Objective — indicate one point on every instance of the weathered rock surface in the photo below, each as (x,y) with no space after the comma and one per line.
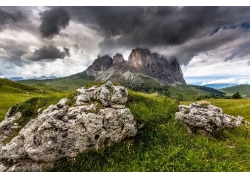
(8,126)
(108,94)
(98,119)
(141,62)
(154,65)
(203,118)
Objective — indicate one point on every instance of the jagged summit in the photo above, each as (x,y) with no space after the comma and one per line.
(140,62)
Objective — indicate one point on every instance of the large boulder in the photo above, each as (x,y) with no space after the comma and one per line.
(98,119)
(203,118)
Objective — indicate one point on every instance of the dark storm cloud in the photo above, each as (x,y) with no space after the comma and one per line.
(53,21)
(47,53)
(8,18)
(149,26)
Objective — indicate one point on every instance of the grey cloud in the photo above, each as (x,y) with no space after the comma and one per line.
(76,48)
(53,21)
(47,53)
(154,26)
(230,57)
(188,50)
(66,50)
(8,18)
(241,51)
(14,50)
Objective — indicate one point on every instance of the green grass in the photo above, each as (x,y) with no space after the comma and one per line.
(12,93)
(165,145)
(243,89)
(8,86)
(161,145)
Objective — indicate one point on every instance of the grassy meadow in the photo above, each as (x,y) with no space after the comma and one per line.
(162,145)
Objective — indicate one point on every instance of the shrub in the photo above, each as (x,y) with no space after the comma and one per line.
(236,95)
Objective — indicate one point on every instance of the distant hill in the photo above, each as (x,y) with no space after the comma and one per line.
(244,90)
(61,84)
(8,86)
(146,84)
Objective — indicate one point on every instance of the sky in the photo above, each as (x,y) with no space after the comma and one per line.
(211,44)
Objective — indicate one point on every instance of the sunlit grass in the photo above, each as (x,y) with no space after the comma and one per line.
(235,107)
(165,145)
(161,145)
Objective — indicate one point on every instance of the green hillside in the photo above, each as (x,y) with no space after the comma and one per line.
(13,92)
(61,84)
(144,84)
(243,89)
(8,86)
(178,92)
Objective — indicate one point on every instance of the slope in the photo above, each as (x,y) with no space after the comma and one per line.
(8,86)
(13,92)
(244,90)
(61,84)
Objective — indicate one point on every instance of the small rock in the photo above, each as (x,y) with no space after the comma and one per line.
(203,118)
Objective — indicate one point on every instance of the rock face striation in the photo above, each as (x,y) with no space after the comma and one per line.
(203,118)
(98,118)
(141,62)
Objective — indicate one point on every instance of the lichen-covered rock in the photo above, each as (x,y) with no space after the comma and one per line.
(203,118)
(64,131)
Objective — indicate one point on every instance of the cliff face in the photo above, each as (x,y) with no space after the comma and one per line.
(156,66)
(101,64)
(140,61)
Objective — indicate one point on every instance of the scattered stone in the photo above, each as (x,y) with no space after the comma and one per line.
(203,118)
(64,131)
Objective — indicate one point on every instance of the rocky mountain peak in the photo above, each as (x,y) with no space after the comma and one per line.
(118,58)
(102,63)
(140,62)
(139,57)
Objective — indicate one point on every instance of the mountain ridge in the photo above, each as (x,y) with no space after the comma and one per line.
(141,62)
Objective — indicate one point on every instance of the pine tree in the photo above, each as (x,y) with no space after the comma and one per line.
(236,95)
